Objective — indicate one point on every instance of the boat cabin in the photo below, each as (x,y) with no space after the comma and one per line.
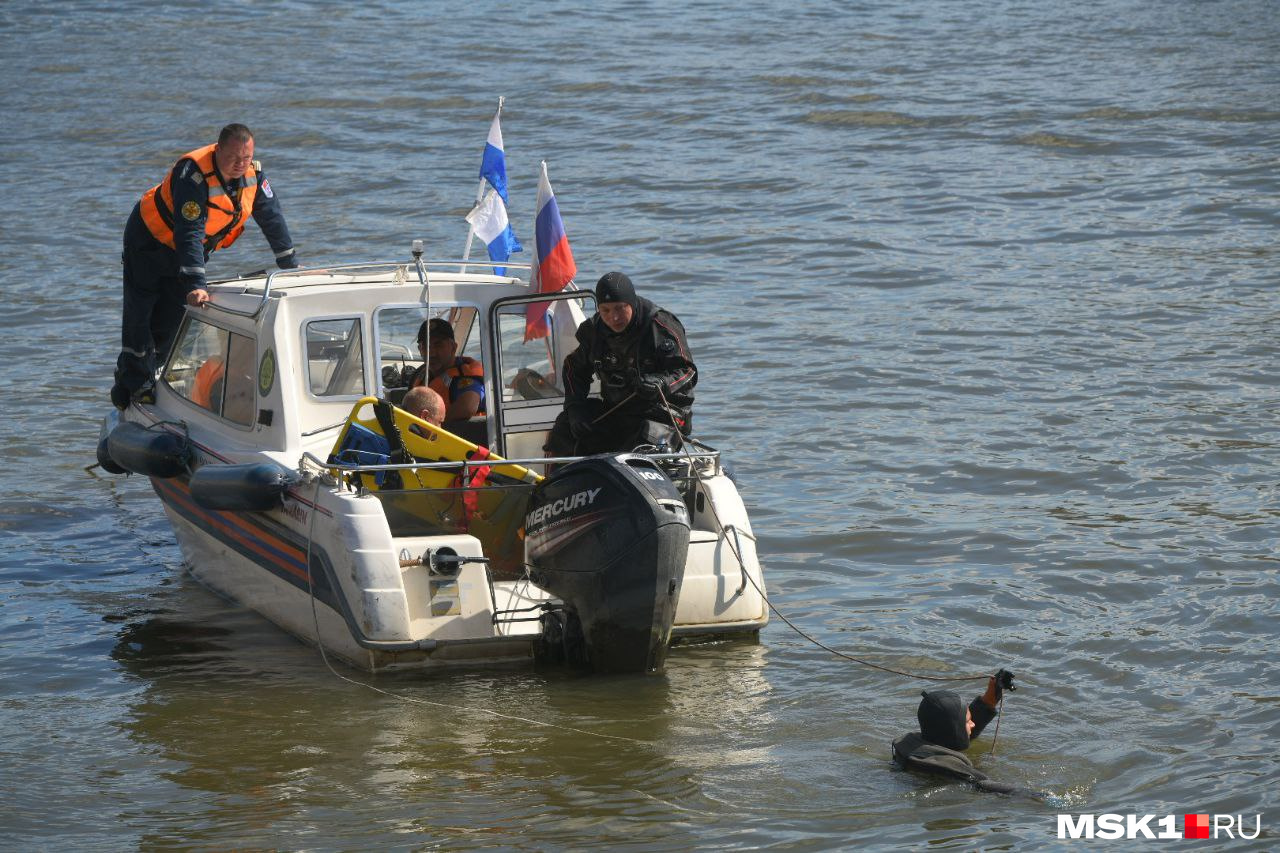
(277,363)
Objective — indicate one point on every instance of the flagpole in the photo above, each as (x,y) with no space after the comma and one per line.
(471,230)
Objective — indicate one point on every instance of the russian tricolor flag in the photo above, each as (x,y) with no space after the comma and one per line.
(553,265)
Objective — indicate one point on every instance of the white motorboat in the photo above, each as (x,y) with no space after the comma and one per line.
(296,488)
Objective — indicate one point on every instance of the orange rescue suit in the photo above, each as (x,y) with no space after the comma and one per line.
(225,214)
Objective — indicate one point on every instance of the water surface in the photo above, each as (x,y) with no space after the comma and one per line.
(983,297)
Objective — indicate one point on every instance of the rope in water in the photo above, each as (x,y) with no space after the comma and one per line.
(796,628)
(733,547)
(996,733)
(849,657)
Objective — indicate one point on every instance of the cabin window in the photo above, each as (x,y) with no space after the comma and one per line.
(214,369)
(335,360)
(398,352)
(531,365)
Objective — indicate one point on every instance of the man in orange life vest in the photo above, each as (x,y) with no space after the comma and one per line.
(201,205)
(457,379)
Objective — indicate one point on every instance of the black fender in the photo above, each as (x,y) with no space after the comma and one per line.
(251,487)
(153,452)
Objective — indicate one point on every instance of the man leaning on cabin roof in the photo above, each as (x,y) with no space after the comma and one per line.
(199,207)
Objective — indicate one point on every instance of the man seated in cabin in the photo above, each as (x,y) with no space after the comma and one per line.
(646,373)
(947,727)
(458,380)
(232,399)
(423,402)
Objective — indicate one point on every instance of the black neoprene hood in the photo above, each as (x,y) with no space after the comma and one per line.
(942,719)
(616,287)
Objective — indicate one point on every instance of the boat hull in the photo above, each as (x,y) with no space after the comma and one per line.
(324,564)
(260,560)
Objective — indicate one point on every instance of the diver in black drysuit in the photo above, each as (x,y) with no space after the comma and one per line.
(646,377)
(946,729)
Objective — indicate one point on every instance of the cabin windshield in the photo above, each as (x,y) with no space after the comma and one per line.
(532,338)
(399,354)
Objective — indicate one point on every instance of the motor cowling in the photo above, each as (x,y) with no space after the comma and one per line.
(609,536)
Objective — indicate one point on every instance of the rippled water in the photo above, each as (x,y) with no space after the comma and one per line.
(984,300)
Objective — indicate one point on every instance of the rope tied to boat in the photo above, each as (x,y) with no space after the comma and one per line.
(742,564)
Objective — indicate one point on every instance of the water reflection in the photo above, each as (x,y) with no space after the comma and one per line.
(257,734)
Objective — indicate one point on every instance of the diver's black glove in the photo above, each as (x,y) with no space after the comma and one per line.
(996,685)
(580,425)
(649,388)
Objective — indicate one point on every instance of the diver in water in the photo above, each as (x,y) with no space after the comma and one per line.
(946,729)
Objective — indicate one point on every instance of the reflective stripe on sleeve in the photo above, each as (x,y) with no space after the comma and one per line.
(191,270)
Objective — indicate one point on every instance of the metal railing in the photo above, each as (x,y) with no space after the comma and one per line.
(709,455)
(388,267)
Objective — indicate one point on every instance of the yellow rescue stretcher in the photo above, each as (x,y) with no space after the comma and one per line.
(422,441)
(486,501)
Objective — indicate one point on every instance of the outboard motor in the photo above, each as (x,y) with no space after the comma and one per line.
(608,536)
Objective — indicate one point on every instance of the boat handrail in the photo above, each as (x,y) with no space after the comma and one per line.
(357,468)
(319,430)
(390,267)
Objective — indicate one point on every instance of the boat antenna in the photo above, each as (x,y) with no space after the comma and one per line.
(422,270)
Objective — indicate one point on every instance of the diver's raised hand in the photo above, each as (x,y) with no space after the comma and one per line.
(996,685)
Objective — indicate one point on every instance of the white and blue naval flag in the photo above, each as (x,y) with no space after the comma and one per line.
(489,222)
(493,166)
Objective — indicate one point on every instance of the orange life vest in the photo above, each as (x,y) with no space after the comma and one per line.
(225,215)
(479,479)
(442,384)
